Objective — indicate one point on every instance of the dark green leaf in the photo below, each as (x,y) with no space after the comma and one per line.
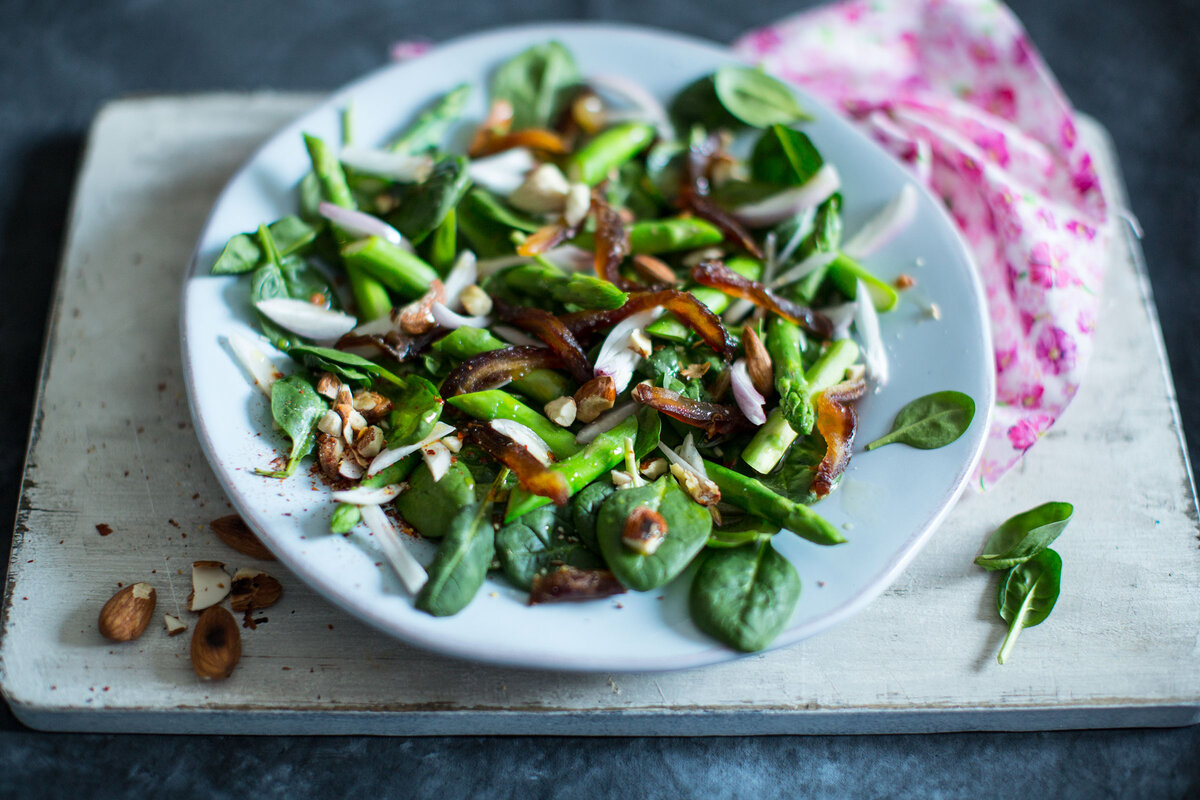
(462,561)
(793,477)
(585,507)
(537,82)
(296,407)
(423,206)
(1025,535)
(1027,596)
(648,434)
(242,253)
(756,98)
(784,157)
(697,105)
(347,366)
(426,503)
(417,406)
(688,525)
(744,596)
(745,531)
(539,541)
(932,421)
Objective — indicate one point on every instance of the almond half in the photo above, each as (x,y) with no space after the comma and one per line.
(128,612)
(210,585)
(237,534)
(216,644)
(254,589)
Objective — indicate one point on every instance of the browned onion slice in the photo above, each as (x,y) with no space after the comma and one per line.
(568,583)
(684,305)
(836,422)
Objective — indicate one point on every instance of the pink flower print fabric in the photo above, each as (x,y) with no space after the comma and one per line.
(954,89)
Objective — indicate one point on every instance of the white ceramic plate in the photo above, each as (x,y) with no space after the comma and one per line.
(889,502)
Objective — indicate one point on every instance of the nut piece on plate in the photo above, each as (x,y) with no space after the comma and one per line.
(254,589)
(174,624)
(561,411)
(216,644)
(594,398)
(237,534)
(758,362)
(210,585)
(644,530)
(127,613)
(654,270)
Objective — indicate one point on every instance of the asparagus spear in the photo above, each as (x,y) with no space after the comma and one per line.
(785,342)
(751,495)
(594,161)
(391,265)
(546,280)
(431,126)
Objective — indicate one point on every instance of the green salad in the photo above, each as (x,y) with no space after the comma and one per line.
(584,342)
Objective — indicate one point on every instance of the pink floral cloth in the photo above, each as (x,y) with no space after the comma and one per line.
(955,89)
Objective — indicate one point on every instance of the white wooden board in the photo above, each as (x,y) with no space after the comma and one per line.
(112,444)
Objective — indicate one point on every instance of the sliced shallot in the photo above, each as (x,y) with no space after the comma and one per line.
(606,422)
(464,273)
(501,174)
(311,322)
(453,320)
(614,359)
(790,202)
(361,224)
(407,568)
(749,399)
(255,362)
(401,167)
(388,457)
(524,436)
(866,321)
(438,458)
(897,215)
(369,496)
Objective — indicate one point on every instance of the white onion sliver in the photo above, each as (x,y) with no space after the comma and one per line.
(380,326)
(841,316)
(679,460)
(515,336)
(524,436)
(306,319)
(816,261)
(369,496)
(688,451)
(409,570)
(438,458)
(897,215)
(361,224)
(570,258)
(388,457)
(487,267)
(464,272)
(790,202)
(804,227)
(606,422)
(452,320)
(254,361)
(613,359)
(749,400)
(502,173)
(866,320)
(386,164)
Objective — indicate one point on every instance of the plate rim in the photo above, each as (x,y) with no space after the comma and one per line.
(717,653)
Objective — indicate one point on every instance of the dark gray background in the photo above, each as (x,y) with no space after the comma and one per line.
(1132,64)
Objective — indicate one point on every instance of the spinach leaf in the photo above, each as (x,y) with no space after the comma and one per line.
(697,105)
(1023,536)
(744,596)
(265,284)
(422,207)
(585,508)
(756,98)
(296,407)
(347,366)
(537,82)
(428,130)
(488,224)
(747,530)
(426,504)
(793,477)
(784,157)
(648,434)
(306,282)
(688,526)
(1027,596)
(417,406)
(538,541)
(243,253)
(462,561)
(930,422)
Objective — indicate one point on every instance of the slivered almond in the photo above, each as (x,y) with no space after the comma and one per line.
(758,362)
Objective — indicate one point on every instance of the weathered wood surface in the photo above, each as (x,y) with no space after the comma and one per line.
(112,444)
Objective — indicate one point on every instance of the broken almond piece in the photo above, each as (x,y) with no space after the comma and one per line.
(127,613)
(758,362)
(216,644)
(699,488)
(253,589)
(328,385)
(561,411)
(693,371)
(594,398)
(644,531)
(174,625)
(234,532)
(210,585)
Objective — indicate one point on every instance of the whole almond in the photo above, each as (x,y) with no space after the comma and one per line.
(253,589)
(235,533)
(216,644)
(128,612)
(594,398)
(758,362)
(654,270)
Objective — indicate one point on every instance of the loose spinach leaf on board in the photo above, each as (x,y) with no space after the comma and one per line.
(296,407)
(417,406)
(431,126)
(535,542)
(347,366)
(1027,596)
(422,207)
(688,526)
(756,98)
(784,157)
(930,422)
(585,507)
(243,253)
(537,82)
(744,596)
(425,503)
(461,564)
(1023,536)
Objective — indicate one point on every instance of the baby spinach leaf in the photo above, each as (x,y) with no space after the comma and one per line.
(347,366)
(930,422)
(537,82)
(743,532)
(426,503)
(243,253)
(585,507)
(784,157)
(306,282)
(756,98)
(422,207)
(648,434)
(296,407)
(688,526)
(1027,596)
(793,477)
(265,284)
(539,540)
(462,561)
(697,105)
(417,406)
(744,596)
(1023,536)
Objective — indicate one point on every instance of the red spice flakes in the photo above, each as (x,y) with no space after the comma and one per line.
(173,522)
(104,529)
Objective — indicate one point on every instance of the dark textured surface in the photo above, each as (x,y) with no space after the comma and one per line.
(1133,65)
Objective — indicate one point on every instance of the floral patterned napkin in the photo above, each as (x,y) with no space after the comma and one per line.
(955,89)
